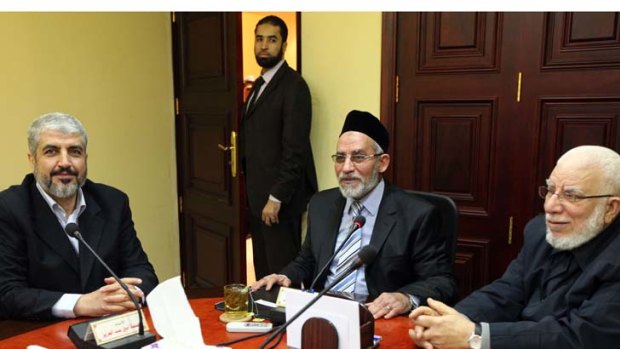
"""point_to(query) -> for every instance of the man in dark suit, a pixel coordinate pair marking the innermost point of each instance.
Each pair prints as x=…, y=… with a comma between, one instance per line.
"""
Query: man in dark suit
x=46, y=274
x=563, y=289
x=275, y=151
x=412, y=262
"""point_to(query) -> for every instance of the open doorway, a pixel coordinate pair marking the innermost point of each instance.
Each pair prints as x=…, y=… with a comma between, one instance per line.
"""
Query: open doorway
x=251, y=70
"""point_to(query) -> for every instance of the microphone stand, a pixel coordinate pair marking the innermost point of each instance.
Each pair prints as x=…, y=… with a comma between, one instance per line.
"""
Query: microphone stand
x=124, y=343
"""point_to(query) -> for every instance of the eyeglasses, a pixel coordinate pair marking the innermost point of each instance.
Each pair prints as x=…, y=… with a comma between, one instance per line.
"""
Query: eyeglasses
x=546, y=193
x=356, y=158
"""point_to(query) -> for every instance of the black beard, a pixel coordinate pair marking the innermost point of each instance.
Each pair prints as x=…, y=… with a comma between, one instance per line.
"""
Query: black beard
x=267, y=62
x=270, y=62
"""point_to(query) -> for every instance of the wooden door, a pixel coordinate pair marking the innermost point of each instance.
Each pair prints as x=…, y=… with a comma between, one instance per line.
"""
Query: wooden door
x=466, y=126
x=208, y=89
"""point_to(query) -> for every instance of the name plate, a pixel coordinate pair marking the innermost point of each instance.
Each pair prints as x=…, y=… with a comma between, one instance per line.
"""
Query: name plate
x=115, y=327
x=281, y=300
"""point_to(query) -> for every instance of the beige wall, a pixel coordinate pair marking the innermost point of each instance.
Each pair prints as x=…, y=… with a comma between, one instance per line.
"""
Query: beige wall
x=341, y=61
x=114, y=72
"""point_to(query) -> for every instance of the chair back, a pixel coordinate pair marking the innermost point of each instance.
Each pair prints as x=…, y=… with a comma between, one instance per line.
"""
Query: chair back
x=449, y=217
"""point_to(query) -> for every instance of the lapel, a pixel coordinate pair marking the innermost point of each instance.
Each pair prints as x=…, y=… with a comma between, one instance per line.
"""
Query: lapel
x=91, y=228
x=386, y=219
x=268, y=89
x=48, y=229
x=332, y=228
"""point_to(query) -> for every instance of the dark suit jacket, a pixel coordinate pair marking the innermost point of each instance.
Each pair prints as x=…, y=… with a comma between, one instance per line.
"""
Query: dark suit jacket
x=412, y=254
x=38, y=263
x=581, y=314
x=275, y=147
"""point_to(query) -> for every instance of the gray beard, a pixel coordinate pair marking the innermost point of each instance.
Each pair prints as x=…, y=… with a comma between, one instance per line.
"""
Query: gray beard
x=61, y=191
x=362, y=189
x=593, y=226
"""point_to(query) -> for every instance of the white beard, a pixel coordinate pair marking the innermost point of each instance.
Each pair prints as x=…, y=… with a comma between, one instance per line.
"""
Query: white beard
x=359, y=191
x=593, y=226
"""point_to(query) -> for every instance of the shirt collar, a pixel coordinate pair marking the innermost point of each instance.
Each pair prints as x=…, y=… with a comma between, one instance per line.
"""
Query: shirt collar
x=268, y=75
x=371, y=201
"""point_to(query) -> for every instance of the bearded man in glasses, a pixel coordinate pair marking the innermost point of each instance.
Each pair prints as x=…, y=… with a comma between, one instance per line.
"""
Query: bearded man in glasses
x=563, y=290
x=413, y=260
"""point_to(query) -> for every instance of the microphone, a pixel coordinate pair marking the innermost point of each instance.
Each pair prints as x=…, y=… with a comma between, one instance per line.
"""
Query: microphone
x=73, y=230
x=366, y=256
x=358, y=223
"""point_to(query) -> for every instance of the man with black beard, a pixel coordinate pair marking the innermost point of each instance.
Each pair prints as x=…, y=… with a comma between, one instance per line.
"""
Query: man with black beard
x=275, y=151
x=563, y=289
x=44, y=273
x=412, y=263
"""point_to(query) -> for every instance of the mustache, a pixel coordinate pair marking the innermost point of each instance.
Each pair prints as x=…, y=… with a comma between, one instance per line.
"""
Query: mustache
x=64, y=170
x=345, y=176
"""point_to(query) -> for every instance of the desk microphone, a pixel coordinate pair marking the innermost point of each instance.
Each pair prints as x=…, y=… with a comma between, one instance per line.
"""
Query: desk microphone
x=73, y=230
x=358, y=223
x=366, y=256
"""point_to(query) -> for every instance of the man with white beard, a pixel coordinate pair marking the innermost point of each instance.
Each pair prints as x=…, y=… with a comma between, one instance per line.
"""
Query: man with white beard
x=412, y=262
x=563, y=290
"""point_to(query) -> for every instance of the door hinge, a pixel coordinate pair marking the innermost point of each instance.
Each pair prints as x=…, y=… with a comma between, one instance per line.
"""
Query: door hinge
x=397, y=89
x=183, y=279
x=173, y=17
x=180, y=204
x=510, y=231
x=519, y=87
x=176, y=106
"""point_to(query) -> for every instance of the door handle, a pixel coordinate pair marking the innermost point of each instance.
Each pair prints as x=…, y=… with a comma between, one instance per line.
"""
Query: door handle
x=233, y=152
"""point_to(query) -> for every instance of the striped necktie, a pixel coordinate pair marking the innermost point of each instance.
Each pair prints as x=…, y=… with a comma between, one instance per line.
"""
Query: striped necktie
x=348, y=253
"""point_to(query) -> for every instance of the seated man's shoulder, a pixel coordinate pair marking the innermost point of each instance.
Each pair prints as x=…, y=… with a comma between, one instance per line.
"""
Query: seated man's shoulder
x=104, y=191
x=327, y=194
x=16, y=196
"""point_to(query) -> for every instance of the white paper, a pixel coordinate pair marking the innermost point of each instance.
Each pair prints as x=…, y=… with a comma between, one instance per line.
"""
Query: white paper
x=265, y=303
x=343, y=313
x=173, y=317
x=167, y=343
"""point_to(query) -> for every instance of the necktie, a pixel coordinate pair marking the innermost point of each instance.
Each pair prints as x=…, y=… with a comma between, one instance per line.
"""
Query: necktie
x=348, y=253
x=255, y=90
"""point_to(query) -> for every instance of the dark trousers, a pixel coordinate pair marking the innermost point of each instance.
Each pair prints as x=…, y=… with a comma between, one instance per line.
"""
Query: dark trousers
x=276, y=246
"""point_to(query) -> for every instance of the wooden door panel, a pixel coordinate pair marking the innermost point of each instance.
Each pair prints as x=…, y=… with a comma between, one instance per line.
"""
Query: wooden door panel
x=208, y=87
x=220, y=239
x=203, y=72
x=582, y=40
x=455, y=152
x=213, y=178
x=452, y=42
x=471, y=264
x=446, y=125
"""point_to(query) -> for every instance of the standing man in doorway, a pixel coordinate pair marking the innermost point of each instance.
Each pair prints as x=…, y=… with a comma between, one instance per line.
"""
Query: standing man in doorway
x=275, y=151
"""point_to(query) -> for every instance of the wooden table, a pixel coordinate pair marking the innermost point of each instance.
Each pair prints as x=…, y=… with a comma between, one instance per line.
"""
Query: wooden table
x=54, y=336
